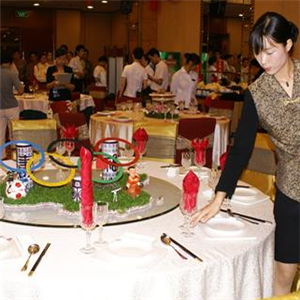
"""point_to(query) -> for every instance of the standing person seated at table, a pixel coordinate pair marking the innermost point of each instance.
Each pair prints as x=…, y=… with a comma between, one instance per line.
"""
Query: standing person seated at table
x=134, y=77
x=20, y=63
x=184, y=81
x=100, y=73
x=78, y=66
x=9, y=107
x=58, y=90
x=273, y=100
x=160, y=79
x=40, y=69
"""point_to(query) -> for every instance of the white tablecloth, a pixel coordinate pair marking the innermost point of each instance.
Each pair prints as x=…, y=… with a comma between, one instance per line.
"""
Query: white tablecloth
x=231, y=270
x=103, y=127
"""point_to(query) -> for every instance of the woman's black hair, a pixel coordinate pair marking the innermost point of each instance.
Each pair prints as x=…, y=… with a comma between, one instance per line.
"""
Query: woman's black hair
x=102, y=58
x=60, y=52
x=275, y=27
x=5, y=57
x=212, y=60
x=192, y=57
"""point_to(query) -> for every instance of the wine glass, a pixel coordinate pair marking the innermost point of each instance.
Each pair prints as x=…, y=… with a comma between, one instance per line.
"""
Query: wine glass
x=88, y=218
x=186, y=159
x=165, y=111
x=142, y=150
x=129, y=105
x=188, y=204
x=31, y=89
x=148, y=105
x=200, y=160
x=123, y=106
x=181, y=105
x=102, y=218
x=60, y=148
x=172, y=111
x=70, y=146
x=128, y=151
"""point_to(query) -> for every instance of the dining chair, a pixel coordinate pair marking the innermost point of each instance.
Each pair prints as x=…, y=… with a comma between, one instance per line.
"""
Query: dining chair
x=120, y=99
x=196, y=128
x=260, y=171
x=61, y=106
x=79, y=120
x=222, y=108
x=41, y=132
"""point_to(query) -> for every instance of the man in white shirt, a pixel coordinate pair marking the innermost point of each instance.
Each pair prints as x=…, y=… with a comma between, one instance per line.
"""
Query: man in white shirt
x=134, y=76
x=100, y=72
x=78, y=66
x=40, y=69
x=160, y=79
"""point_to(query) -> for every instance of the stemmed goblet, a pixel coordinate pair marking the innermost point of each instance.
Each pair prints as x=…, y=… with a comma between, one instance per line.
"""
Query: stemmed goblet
x=102, y=217
x=188, y=203
x=60, y=149
x=88, y=218
x=70, y=146
x=186, y=159
x=200, y=160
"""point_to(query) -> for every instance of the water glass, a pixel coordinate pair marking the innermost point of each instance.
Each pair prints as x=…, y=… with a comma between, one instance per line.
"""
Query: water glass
x=188, y=204
x=186, y=159
x=102, y=218
x=70, y=146
x=88, y=219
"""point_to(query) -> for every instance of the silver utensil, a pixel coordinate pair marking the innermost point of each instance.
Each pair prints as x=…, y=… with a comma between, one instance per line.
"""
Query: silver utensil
x=231, y=214
x=32, y=249
x=166, y=240
x=39, y=259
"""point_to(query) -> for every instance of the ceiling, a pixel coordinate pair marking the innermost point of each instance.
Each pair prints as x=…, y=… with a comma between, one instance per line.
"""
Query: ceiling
x=110, y=7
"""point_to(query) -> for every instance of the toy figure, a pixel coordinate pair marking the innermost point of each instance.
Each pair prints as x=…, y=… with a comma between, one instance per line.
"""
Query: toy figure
x=133, y=184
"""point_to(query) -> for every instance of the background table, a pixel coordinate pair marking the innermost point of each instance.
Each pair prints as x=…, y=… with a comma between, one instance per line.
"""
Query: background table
x=162, y=134
x=232, y=269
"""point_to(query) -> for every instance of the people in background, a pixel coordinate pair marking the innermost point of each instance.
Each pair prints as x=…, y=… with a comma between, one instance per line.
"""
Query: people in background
x=78, y=66
x=29, y=74
x=59, y=90
x=9, y=108
x=50, y=61
x=134, y=77
x=149, y=68
x=230, y=71
x=40, y=69
x=20, y=64
x=272, y=100
x=184, y=81
x=69, y=56
x=100, y=72
x=212, y=74
x=88, y=71
x=245, y=70
x=160, y=79
x=255, y=69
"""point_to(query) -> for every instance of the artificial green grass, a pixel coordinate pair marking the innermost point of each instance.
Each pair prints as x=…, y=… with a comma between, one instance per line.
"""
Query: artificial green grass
x=63, y=195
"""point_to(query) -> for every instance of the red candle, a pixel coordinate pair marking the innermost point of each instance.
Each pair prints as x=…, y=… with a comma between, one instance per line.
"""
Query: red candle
x=86, y=184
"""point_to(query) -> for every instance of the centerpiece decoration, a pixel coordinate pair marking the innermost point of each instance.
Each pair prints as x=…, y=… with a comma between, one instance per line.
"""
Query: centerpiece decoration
x=162, y=111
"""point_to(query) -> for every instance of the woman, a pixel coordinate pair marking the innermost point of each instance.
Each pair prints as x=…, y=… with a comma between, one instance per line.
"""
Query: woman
x=274, y=101
x=100, y=73
x=184, y=81
x=59, y=90
x=9, y=107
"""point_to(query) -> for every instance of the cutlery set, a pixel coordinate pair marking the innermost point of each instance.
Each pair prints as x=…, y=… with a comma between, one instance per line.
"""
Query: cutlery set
x=33, y=249
x=235, y=214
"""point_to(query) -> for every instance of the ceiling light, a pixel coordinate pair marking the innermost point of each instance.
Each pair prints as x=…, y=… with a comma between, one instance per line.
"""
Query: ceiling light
x=36, y=4
x=90, y=7
x=241, y=15
x=104, y=1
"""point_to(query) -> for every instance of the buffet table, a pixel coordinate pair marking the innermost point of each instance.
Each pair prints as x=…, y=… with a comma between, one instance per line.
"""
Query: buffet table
x=232, y=268
x=162, y=134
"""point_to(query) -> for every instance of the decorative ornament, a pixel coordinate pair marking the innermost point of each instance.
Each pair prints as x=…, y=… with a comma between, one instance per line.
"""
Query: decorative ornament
x=15, y=189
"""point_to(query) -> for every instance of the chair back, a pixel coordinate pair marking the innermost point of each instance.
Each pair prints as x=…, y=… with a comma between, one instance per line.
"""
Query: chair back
x=222, y=108
x=75, y=96
x=98, y=92
x=60, y=106
x=196, y=128
x=41, y=132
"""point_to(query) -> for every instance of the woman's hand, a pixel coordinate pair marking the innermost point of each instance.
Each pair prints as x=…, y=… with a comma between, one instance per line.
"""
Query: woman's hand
x=208, y=211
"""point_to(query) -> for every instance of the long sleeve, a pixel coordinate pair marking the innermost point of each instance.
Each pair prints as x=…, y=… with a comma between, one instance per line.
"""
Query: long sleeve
x=240, y=153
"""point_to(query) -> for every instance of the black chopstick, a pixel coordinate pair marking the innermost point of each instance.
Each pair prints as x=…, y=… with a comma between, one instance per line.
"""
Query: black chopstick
x=171, y=166
x=39, y=259
x=248, y=217
x=185, y=249
x=243, y=186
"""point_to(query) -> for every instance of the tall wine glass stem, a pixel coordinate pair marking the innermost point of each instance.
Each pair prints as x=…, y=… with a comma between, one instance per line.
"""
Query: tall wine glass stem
x=88, y=239
x=100, y=240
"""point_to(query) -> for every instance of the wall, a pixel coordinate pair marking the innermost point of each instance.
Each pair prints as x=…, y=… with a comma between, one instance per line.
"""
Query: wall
x=234, y=29
x=289, y=8
x=178, y=26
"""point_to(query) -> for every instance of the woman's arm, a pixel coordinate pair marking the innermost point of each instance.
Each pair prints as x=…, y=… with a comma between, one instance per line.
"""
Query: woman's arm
x=237, y=159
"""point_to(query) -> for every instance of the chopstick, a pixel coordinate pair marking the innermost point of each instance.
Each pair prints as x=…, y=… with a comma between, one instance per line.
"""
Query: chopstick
x=243, y=186
x=186, y=250
x=248, y=217
x=171, y=166
x=39, y=259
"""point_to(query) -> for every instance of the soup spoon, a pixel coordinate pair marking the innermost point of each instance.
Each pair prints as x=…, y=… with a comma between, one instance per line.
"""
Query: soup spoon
x=167, y=241
x=32, y=249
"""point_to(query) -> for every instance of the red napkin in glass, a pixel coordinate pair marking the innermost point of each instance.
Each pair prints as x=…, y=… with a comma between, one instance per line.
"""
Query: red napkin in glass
x=70, y=131
x=86, y=186
x=190, y=187
x=141, y=137
x=200, y=148
x=208, y=101
x=223, y=160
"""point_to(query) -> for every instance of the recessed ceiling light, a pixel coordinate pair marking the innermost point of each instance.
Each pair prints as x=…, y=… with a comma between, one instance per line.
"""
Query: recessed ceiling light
x=241, y=15
x=104, y=1
x=36, y=4
x=90, y=7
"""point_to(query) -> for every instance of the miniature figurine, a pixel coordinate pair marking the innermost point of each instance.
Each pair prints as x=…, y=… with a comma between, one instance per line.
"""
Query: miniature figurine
x=133, y=184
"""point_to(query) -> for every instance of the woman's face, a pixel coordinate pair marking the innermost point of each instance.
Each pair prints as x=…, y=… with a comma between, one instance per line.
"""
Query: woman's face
x=273, y=57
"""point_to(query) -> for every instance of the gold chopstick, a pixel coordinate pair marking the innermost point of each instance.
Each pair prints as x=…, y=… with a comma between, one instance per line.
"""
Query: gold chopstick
x=39, y=259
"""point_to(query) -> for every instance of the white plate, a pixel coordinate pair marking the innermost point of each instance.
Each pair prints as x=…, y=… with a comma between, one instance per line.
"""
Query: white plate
x=4, y=244
x=122, y=120
x=245, y=194
x=103, y=113
x=224, y=226
x=9, y=249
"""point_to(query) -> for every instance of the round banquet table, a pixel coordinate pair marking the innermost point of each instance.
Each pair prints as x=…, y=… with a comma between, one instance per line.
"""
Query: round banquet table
x=231, y=269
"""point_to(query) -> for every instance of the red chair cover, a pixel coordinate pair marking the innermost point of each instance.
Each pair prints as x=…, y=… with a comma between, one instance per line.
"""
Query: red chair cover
x=59, y=106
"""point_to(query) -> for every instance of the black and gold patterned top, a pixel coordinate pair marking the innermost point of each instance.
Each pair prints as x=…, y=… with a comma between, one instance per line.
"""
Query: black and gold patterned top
x=267, y=103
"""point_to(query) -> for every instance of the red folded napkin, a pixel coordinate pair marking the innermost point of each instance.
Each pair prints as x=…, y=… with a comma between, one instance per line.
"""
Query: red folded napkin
x=200, y=148
x=190, y=186
x=86, y=186
x=70, y=132
x=208, y=101
x=141, y=137
x=223, y=160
